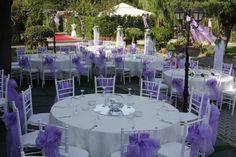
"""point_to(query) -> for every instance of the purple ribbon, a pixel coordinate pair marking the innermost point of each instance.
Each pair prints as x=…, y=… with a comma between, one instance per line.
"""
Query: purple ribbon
x=214, y=91
x=199, y=136
x=140, y=145
x=12, y=138
x=100, y=63
x=24, y=62
x=132, y=48
x=213, y=122
x=49, y=140
x=119, y=62
x=49, y=61
x=65, y=89
x=178, y=83
x=149, y=75
x=13, y=95
x=82, y=70
x=193, y=64
x=105, y=82
x=120, y=50
x=92, y=58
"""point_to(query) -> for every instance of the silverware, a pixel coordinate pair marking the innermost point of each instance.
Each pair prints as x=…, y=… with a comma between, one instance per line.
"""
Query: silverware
x=93, y=127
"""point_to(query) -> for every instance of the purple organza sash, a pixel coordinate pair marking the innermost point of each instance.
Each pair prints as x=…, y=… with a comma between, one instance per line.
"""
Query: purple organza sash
x=149, y=75
x=193, y=65
x=178, y=84
x=101, y=62
x=12, y=138
x=119, y=62
x=213, y=122
x=49, y=140
x=132, y=48
x=24, y=62
x=13, y=95
x=120, y=51
x=92, y=58
x=199, y=136
x=214, y=91
x=49, y=61
x=140, y=145
x=105, y=83
x=82, y=70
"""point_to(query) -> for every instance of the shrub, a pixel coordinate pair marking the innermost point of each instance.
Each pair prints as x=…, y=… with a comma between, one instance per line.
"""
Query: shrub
x=161, y=36
x=132, y=32
x=37, y=35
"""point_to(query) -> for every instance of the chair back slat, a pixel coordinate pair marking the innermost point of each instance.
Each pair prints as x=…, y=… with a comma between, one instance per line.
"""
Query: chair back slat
x=227, y=68
x=27, y=105
x=104, y=82
x=64, y=88
x=196, y=102
x=150, y=89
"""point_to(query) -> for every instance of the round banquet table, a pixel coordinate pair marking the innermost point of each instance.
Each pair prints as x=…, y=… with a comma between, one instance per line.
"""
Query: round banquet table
x=198, y=82
x=103, y=139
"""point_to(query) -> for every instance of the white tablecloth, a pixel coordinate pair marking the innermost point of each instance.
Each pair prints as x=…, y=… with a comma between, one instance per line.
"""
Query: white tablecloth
x=105, y=138
x=198, y=82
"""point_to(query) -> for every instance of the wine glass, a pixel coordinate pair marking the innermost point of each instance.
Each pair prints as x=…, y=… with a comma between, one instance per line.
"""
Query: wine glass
x=129, y=93
x=103, y=90
x=82, y=93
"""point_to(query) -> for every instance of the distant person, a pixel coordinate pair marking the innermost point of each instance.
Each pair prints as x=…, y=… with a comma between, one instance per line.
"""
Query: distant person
x=73, y=32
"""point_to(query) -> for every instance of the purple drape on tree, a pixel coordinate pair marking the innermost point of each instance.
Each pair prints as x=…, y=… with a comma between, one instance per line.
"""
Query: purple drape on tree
x=140, y=145
x=12, y=138
x=199, y=136
x=49, y=140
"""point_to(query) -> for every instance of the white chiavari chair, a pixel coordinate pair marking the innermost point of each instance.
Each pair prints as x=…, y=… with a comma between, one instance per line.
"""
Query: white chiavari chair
x=104, y=83
x=64, y=88
x=150, y=89
x=121, y=69
x=3, y=92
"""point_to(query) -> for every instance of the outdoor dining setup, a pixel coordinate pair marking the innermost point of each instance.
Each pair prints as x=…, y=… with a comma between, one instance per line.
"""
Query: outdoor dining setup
x=143, y=103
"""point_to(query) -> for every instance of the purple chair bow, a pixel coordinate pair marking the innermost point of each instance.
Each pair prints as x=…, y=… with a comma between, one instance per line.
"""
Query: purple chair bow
x=49, y=61
x=178, y=83
x=12, y=138
x=24, y=62
x=92, y=58
x=199, y=136
x=49, y=140
x=140, y=145
x=106, y=83
x=214, y=91
x=119, y=62
x=100, y=63
x=76, y=61
x=133, y=49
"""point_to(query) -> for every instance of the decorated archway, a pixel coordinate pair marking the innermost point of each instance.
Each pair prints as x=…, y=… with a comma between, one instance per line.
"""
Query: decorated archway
x=56, y=18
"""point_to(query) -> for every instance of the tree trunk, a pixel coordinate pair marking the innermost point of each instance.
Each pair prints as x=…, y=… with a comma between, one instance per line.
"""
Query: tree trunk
x=5, y=35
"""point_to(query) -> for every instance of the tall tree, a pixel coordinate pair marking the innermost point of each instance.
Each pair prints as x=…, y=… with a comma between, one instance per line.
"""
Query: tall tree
x=5, y=35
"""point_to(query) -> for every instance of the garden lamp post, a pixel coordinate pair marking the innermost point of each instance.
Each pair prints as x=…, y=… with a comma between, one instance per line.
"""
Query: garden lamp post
x=197, y=14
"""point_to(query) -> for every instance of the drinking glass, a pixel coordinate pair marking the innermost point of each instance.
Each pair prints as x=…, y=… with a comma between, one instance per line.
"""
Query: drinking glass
x=82, y=93
x=129, y=94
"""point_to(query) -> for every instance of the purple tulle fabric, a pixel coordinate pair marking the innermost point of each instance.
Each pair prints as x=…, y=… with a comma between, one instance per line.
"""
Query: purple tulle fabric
x=140, y=145
x=13, y=95
x=201, y=34
x=24, y=62
x=119, y=62
x=178, y=84
x=101, y=63
x=213, y=122
x=49, y=140
x=92, y=58
x=82, y=70
x=214, y=91
x=199, y=136
x=193, y=65
x=49, y=61
x=106, y=83
x=12, y=138
x=180, y=61
x=149, y=75
x=120, y=51
x=132, y=48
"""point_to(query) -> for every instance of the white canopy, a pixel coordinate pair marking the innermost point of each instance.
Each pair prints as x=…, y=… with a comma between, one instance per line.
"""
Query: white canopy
x=123, y=9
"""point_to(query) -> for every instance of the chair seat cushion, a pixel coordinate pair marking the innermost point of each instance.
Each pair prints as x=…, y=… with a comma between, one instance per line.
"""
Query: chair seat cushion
x=49, y=71
x=28, y=139
x=187, y=117
x=74, y=151
x=229, y=92
x=43, y=117
x=173, y=149
x=115, y=154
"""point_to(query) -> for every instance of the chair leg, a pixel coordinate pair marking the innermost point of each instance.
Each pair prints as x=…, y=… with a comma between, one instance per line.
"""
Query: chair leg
x=20, y=77
x=31, y=80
